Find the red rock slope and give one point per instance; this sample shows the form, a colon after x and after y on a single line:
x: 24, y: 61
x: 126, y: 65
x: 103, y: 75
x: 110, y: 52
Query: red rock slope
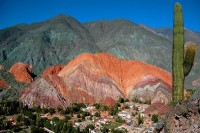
x: 131, y: 78
x: 21, y: 72
x: 3, y: 84
x: 91, y: 78
x: 53, y: 70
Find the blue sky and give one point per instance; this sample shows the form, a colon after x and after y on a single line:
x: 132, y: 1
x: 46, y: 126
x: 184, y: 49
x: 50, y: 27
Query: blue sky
x: 153, y: 13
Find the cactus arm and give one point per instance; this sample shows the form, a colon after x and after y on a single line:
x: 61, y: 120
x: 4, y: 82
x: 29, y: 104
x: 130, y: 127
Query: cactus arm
x: 189, y: 59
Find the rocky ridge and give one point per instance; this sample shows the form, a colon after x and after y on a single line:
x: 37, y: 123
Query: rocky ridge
x: 93, y: 78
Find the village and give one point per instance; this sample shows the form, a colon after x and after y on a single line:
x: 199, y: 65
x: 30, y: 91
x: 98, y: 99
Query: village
x: 131, y: 117
x: 127, y: 116
x: 124, y: 117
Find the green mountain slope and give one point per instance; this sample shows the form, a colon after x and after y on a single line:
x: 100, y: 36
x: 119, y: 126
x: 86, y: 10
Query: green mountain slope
x: 60, y: 39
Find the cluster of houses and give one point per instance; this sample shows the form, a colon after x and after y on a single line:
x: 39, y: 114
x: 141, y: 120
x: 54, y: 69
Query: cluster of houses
x: 130, y: 123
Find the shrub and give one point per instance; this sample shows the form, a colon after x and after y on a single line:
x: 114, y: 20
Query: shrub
x: 120, y: 120
x: 113, y: 111
x: 97, y: 105
x: 155, y: 118
x: 121, y: 100
x: 97, y: 114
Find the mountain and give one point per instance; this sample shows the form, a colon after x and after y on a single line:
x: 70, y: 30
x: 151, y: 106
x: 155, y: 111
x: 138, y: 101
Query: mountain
x: 98, y: 78
x: 51, y: 42
x: 190, y: 37
x: 128, y: 40
x: 62, y: 38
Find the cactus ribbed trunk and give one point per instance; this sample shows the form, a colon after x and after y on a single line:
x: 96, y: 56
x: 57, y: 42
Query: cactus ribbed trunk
x: 178, y: 54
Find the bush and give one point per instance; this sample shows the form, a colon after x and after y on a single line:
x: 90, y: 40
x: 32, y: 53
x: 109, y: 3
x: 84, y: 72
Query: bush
x: 35, y: 129
x: 126, y: 100
x: 67, y: 118
x: 137, y: 100
x: 113, y: 111
x: 97, y: 105
x: 55, y: 119
x: 120, y: 120
x: 85, y: 113
x: 105, y: 130
x: 119, y: 131
x: 47, y: 124
x: 52, y: 111
x: 19, y: 118
x: 121, y: 100
x: 86, y: 130
x: 154, y: 118
x: 97, y: 114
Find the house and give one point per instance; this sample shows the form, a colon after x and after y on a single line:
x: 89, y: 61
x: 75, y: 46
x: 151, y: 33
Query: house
x: 77, y: 124
x: 124, y: 115
x: 104, y: 114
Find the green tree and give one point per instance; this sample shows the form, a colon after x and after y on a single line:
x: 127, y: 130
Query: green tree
x: 113, y: 111
x: 97, y: 114
x: 120, y: 120
x: 140, y: 119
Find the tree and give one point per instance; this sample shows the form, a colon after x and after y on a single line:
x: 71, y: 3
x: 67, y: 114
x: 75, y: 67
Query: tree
x: 35, y: 129
x: 140, y: 119
x: 97, y: 105
x: 113, y: 111
x: 105, y: 130
x: 121, y: 100
x: 97, y: 114
x: 87, y: 128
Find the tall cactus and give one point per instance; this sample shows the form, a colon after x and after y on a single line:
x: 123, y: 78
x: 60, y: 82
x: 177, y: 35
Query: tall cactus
x: 180, y: 68
x: 178, y: 54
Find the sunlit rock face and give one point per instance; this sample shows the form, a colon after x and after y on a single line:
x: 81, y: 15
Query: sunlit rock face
x: 3, y: 84
x: 42, y: 93
x: 152, y: 88
x: 100, y: 78
x: 105, y: 75
x: 21, y: 72
x: 53, y: 70
x: 196, y: 82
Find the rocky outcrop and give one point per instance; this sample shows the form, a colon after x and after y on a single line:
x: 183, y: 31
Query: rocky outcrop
x: 184, y: 118
x: 1, y: 67
x: 52, y: 70
x: 93, y: 78
x: 21, y: 72
x: 157, y: 108
x: 196, y: 82
x: 3, y: 84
